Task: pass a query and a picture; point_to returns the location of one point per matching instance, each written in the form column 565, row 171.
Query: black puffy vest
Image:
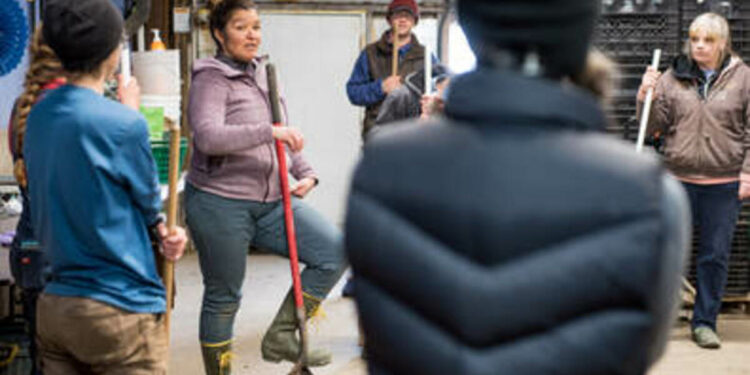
column 515, row 237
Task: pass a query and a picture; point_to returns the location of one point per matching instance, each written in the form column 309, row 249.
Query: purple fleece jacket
column 230, row 116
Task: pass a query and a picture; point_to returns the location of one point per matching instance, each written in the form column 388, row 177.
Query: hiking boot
column 706, row 338
column 280, row 341
column 217, row 358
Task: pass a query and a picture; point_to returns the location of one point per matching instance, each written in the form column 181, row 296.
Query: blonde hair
column 44, row 67
column 713, row 25
column 598, row 76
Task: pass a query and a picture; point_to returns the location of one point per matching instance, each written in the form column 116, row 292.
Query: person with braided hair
column 101, row 312
column 28, row 265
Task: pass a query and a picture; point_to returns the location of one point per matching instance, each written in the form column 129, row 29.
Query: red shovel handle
column 291, row 236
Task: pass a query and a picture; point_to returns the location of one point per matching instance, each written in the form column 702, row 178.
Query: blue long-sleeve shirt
column 361, row 89
column 94, row 191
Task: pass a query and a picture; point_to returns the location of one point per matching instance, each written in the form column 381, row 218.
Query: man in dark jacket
column 515, row 237
column 372, row 80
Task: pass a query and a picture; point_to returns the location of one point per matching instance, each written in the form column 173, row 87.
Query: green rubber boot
column 217, row 358
column 706, row 338
column 280, row 341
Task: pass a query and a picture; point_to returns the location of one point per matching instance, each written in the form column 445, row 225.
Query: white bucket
column 158, row 72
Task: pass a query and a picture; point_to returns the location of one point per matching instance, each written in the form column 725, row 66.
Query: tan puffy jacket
column 705, row 127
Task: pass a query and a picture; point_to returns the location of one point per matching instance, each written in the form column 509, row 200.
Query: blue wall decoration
column 14, row 33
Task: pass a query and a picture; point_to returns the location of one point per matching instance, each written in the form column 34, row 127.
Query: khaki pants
column 84, row 336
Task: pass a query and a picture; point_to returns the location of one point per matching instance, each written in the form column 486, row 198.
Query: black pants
column 29, row 298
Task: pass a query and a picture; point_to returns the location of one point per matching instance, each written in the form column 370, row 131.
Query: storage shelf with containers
column 158, row 73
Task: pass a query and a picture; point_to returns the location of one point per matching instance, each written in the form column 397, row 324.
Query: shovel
column 300, row 367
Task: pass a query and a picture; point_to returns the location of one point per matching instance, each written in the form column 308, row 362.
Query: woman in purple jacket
column 233, row 196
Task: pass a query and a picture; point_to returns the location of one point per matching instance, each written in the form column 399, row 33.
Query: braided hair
column 44, row 67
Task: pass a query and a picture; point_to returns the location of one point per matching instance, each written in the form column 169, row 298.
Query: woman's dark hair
column 222, row 12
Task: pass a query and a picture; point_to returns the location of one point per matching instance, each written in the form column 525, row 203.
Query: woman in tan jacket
column 701, row 109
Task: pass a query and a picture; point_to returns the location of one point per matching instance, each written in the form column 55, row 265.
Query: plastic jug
column 157, row 44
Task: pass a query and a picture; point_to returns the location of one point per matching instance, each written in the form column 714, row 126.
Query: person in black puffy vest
column 514, row 236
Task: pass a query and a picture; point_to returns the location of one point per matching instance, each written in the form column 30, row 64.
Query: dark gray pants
column 223, row 229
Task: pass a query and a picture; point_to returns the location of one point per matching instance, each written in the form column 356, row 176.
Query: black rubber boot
column 217, row 358
column 281, row 342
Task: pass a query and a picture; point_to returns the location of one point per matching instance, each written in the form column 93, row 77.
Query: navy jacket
column 515, row 237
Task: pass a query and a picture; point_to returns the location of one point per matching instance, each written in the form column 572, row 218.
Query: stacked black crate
column 628, row 32
column 738, row 14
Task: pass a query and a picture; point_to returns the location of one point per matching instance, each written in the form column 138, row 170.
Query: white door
column 314, row 53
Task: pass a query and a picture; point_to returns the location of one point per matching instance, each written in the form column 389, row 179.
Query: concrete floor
column 683, row 357
column 266, row 283
column 268, row 279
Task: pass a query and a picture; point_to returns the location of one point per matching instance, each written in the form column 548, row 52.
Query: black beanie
column 83, row 33
column 558, row 30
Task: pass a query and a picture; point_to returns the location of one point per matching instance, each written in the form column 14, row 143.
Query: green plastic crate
column 160, row 150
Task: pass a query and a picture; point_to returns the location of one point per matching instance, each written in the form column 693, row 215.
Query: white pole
column 647, row 106
column 642, row 138
column 141, row 39
column 125, row 62
column 427, row 70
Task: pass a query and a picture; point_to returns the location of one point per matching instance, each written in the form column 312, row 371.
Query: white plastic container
column 158, row 72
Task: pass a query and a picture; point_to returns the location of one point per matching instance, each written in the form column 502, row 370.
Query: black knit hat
column 558, row 30
column 83, row 33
